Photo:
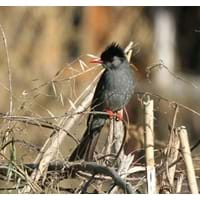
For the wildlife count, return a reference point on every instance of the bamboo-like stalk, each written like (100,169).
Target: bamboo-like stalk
(109,142)
(51,145)
(179,182)
(188,159)
(149,145)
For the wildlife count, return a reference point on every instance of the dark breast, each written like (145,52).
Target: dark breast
(114,89)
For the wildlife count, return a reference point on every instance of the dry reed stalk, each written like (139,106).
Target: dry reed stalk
(149,145)
(109,141)
(51,145)
(171,156)
(179,183)
(9,81)
(173,149)
(9,70)
(185,148)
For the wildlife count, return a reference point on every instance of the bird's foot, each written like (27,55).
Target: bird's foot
(118,115)
(110,113)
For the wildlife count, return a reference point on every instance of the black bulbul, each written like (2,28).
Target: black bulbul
(113,92)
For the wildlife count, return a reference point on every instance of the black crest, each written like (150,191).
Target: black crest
(112,50)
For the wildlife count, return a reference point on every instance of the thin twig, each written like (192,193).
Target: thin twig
(9,80)
(149,69)
(38,122)
(171,155)
(55,77)
(169,101)
(9,69)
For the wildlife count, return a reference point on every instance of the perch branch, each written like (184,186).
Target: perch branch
(149,145)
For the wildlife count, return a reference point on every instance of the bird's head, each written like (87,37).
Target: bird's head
(112,56)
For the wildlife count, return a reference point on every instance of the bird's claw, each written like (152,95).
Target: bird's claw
(118,115)
(110,113)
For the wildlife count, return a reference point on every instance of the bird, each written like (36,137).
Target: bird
(113,91)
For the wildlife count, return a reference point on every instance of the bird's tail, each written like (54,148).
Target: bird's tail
(86,147)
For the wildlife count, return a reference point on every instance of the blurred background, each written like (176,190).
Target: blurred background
(43,40)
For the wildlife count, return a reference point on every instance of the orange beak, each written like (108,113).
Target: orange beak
(97,60)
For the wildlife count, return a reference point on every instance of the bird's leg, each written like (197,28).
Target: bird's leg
(119,115)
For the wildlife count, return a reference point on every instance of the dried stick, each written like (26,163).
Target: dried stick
(171,156)
(149,145)
(188,159)
(123,169)
(174,144)
(56,139)
(179,182)
(98,169)
(91,168)
(109,142)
